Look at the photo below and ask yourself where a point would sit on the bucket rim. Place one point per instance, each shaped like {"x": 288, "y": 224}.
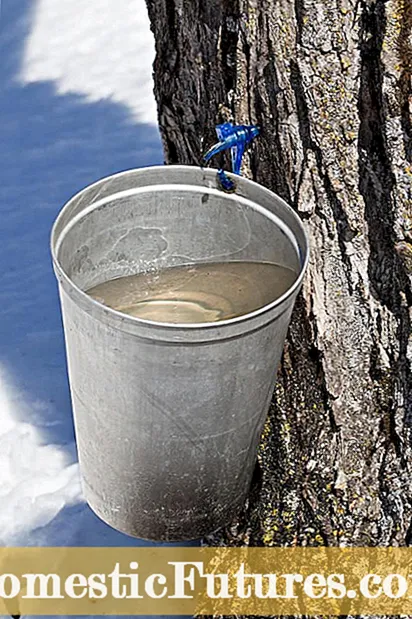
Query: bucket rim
{"x": 201, "y": 326}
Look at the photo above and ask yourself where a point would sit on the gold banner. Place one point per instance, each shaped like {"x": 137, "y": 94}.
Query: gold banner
{"x": 213, "y": 581}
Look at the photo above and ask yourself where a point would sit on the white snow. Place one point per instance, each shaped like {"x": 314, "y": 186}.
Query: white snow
{"x": 103, "y": 49}
{"x": 36, "y": 480}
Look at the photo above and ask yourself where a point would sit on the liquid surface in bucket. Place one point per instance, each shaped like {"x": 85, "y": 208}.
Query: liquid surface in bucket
{"x": 194, "y": 293}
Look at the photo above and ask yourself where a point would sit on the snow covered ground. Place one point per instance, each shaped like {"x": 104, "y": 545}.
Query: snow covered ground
{"x": 76, "y": 104}
{"x": 100, "y": 49}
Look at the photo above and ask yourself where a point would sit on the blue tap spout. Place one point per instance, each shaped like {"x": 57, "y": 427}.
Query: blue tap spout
{"x": 235, "y": 137}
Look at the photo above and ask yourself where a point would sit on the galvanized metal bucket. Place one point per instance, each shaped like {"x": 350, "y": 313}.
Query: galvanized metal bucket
{"x": 168, "y": 416}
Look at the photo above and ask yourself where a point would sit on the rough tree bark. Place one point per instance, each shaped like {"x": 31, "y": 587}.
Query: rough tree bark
{"x": 329, "y": 82}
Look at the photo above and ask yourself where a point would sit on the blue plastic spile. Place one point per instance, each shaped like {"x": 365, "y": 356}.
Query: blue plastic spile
{"x": 235, "y": 137}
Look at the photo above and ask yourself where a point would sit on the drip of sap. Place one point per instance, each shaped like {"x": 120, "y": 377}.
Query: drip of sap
{"x": 194, "y": 293}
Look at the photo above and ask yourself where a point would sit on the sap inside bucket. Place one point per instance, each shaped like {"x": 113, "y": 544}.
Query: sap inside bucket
{"x": 176, "y": 299}
{"x": 196, "y": 292}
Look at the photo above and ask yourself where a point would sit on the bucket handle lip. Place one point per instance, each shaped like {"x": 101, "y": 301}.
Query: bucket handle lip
{"x": 134, "y": 320}
{"x": 164, "y": 187}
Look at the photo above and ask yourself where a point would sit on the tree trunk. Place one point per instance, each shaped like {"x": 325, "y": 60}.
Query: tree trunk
{"x": 329, "y": 83}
